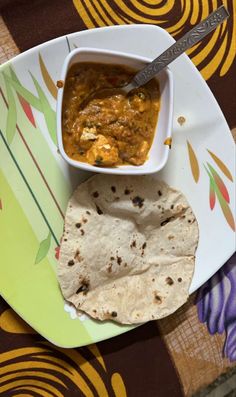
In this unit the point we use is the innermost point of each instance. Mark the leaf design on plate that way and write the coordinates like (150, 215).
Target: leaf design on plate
(49, 113)
(220, 183)
(193, 163)
(11, 114)
(47, 78)
(226, 211)
(43, 249)
(27, 110)
(223, 204)
(212, 196)
(221, 165)
(24, 104)
(26, 94)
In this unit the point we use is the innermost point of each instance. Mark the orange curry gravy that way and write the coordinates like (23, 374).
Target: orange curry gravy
(111, 130)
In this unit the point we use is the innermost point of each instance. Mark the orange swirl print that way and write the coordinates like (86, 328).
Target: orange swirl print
(39, 369)
(176, 17)
(45, 370)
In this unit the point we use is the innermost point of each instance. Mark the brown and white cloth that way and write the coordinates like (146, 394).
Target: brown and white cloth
(177, 356)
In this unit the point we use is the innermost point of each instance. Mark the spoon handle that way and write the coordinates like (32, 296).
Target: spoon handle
(188, 40)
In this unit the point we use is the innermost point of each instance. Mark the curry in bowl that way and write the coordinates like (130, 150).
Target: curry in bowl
(113, 130)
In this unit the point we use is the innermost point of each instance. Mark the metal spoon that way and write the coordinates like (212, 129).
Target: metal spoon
(148, 72)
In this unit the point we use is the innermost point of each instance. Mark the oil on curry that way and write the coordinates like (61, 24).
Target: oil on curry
(110, 130)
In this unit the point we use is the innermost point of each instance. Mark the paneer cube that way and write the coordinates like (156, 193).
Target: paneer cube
(89, 134)
(102, 152)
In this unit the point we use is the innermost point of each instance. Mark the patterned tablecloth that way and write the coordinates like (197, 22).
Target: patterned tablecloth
(178, 356)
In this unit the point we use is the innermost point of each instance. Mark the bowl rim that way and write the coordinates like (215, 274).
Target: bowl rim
(119, 170)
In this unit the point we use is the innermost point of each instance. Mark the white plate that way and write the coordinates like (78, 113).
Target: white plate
(36, 183)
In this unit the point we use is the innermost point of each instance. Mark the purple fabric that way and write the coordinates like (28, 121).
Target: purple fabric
(216, 305)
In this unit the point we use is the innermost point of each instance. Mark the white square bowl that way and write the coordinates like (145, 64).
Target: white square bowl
(158, 153)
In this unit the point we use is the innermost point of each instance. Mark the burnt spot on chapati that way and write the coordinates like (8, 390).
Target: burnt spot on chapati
(113, 189)
(65, 239)
(112, 258)
(119, 260)
(172, 207)
(77, 256)
(159, 193)
(127, 191)
(71, 262)
(133, 244)
(180, 280)
(113, 314)
(78, 225)
(95, 194)
(167, 220)
(99, 211)
(82, 232)
(88, 212)
(169, 281)
(109, 268)
(84, 220)
(170, 237)
(157, 298)
(143, 248)
(138, 201)
(84, 288)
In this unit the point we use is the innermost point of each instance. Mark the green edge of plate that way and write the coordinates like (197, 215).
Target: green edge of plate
(40, 303)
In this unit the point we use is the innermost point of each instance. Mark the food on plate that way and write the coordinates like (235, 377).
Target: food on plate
(181, 120)
(110, 130)
(128, 249)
